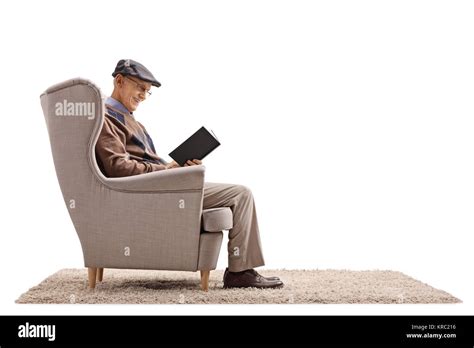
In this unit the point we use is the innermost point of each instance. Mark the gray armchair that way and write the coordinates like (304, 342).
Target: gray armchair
(149, 221)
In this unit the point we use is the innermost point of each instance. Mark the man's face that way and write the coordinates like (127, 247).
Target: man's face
(132, 91)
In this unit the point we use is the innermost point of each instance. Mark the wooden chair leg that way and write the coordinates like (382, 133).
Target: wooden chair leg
(205, 280)
(100, 274)
(92, 277)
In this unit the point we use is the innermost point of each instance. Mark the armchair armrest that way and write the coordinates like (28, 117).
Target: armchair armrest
(177, 179)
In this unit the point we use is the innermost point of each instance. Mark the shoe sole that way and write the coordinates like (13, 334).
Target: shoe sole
(256, 287)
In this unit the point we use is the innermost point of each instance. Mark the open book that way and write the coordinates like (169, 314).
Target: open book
(197, 146)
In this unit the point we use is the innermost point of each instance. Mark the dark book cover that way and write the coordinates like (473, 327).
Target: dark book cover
(197, 146)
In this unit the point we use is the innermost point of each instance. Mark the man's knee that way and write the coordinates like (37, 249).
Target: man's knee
(243, 190)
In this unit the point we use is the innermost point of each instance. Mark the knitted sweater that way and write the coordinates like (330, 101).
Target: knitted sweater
(124, 147)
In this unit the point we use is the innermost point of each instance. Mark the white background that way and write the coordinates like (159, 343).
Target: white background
(351, 121)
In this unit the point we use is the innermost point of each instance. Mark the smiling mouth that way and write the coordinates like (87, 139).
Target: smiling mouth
(137, 101)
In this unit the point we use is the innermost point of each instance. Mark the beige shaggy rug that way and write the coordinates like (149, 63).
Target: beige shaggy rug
(301, 286)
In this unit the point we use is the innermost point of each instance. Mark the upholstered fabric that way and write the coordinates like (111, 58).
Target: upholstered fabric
(217, 219)
(149, 221)
(209, 248)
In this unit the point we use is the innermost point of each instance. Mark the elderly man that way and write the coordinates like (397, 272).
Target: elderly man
(125, 148)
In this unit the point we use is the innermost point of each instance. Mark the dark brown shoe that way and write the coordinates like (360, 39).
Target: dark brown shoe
(249, 279)
(268, 278)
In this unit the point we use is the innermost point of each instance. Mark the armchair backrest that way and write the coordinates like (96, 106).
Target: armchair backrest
(73, 111)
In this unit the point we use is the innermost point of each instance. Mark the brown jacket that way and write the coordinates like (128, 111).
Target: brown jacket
(124, 147)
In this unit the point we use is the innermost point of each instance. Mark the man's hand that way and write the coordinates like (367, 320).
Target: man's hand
(194, 162)
(172, 165)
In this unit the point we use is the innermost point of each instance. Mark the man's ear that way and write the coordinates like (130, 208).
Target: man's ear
(118, 81)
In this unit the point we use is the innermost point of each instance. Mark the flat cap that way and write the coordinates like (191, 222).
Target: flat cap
(132, 68)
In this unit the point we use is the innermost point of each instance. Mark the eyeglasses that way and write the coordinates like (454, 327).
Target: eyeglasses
(140, 87)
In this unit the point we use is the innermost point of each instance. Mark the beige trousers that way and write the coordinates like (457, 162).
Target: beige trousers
(244, 246)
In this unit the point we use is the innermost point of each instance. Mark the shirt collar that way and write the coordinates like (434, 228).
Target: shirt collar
(114, 103)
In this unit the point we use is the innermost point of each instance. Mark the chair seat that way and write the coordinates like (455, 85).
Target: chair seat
(217, 219)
